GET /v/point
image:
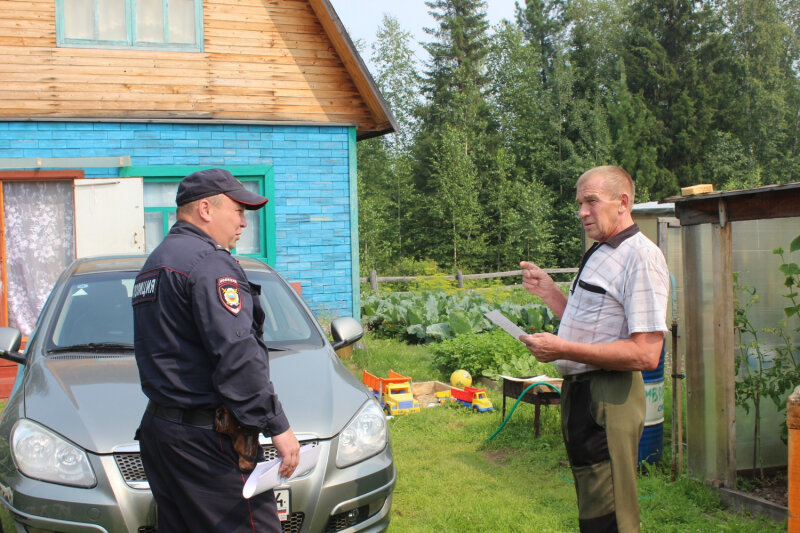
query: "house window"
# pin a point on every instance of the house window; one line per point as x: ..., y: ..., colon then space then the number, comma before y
x: 154, y: 24
x: 161, y: 187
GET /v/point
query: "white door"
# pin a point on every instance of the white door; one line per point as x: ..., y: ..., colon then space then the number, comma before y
x: 109, y: 216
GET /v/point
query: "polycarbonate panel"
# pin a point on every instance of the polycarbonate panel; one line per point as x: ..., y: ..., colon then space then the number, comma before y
x: 753, y: 244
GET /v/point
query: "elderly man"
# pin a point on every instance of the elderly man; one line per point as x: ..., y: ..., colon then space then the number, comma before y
x: 612, y: 327
x: 204, y: 367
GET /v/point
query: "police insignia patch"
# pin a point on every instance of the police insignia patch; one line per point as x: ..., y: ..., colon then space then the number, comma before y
x: 228, y: 290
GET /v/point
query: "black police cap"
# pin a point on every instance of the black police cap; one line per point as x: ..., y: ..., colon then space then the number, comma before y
x: 213, y: 181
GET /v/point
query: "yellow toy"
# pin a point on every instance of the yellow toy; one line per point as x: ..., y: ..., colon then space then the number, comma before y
x: 460, y: 379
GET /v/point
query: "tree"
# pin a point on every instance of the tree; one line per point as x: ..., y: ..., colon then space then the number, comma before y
x: 454, y: 83
x: 398, y: 79
x: 766, y: 47
x: 455, y: 201
x: 670, y: 54
x: 384, y: 168
x: 637, y: 137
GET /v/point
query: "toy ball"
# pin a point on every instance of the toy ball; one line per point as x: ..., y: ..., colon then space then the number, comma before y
x: 460, y: 379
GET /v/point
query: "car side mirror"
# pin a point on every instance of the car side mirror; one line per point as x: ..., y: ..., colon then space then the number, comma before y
x: 345, y: 331
x: 10, y: 339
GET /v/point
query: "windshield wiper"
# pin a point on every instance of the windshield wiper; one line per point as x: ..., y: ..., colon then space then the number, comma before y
x: 94, y: 347
x: 277, y: 348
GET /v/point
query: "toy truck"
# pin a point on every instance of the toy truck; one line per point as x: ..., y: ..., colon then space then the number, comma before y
x: 393, y: 393
x: 472, y: 398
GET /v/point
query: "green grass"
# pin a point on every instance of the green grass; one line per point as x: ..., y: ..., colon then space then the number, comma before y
x: 450, y: 478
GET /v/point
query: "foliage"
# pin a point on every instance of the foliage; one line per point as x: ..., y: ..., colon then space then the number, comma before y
x: 752, y: 383
x: 384, y: 168
x: 496, y: 127
x: 436, y: 316
x: 768, y: 375
x: 785, y: 372
x: 488, y: 354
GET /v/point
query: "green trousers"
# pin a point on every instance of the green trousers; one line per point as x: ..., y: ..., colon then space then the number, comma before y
x: 602, y: 418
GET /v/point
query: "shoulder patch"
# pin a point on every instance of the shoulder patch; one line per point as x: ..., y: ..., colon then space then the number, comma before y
x: 145, y: 289
x: 228, y: 290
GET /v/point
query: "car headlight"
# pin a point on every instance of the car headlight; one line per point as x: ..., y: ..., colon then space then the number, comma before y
x: 41, y: 454
x: 363, y: 437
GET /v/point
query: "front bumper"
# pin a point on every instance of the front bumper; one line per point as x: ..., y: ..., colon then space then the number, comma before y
x: 354, y: 499
x: 111, y: 506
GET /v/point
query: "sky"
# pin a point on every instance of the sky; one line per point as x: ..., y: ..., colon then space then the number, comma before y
x: 362, y: 18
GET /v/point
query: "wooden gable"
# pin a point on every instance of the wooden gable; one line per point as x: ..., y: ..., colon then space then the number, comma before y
x: 282, y: 61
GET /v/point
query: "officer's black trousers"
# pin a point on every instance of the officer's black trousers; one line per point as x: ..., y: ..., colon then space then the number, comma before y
x: 197, y: 484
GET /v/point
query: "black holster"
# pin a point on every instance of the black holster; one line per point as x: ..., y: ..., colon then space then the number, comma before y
x: 244, y: 438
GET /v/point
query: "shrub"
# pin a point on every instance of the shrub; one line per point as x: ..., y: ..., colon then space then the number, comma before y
x: 488, y: 354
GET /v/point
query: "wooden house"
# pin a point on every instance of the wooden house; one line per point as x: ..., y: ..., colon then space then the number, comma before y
x: 105, y: 106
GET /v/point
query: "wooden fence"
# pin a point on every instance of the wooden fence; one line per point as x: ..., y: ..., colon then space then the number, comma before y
x: 374, y: 279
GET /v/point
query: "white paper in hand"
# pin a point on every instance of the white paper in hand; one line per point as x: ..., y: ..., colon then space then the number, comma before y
x: 509, y: 327
x: 265, y: 475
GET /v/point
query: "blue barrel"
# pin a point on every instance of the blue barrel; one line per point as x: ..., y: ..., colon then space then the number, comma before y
x: 651, y: 445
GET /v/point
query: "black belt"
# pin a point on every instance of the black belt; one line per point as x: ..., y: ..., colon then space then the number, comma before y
x: 572, y: 378
x: 201, y: 418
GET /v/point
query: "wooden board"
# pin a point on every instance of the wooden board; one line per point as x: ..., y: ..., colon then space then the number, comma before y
x: 262, y: 60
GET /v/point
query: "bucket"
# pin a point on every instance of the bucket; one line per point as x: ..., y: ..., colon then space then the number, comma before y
x: 651, y: 445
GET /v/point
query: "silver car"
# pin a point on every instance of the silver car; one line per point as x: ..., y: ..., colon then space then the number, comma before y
x: 68, y: 459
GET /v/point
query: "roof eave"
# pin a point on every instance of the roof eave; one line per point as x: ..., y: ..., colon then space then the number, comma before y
x: 377, y: 105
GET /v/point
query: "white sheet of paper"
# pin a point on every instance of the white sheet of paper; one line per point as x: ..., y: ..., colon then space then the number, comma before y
x: 509, y: 327
x: 265, y: 475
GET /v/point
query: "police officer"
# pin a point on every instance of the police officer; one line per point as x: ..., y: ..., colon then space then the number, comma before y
x: 197, y: 335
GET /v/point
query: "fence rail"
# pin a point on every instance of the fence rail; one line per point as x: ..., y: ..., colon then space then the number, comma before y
x: 374, y: 279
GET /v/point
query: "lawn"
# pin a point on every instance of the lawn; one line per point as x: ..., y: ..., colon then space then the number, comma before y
x: 451, y: 478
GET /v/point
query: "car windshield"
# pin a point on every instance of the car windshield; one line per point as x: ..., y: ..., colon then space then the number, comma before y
x: 94, y: 314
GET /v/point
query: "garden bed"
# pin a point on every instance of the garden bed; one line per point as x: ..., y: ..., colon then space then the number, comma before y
x: 766, y: 496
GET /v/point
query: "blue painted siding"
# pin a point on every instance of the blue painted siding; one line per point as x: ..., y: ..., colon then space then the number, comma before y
x: 313, y: 187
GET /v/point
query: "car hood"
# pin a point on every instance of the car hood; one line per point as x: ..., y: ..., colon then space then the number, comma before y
x: 97, y: 402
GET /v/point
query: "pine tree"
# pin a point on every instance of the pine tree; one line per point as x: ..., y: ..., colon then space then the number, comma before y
x: 454, y: 84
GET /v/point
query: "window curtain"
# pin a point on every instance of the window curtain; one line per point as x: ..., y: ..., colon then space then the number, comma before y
x: 39, y: 242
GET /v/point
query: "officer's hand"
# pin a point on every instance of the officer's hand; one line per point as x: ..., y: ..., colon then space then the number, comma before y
x: 289, y: 449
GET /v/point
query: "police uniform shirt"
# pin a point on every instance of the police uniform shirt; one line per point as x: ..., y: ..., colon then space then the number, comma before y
x: 198, y: 332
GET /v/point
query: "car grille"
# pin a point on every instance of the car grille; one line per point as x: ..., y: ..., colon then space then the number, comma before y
x: 293, y: 523
x: 130, y: 465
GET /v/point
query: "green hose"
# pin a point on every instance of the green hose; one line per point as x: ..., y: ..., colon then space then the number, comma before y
x: 511, y: 412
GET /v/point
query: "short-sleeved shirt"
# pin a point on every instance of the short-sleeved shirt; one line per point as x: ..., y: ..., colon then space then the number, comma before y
x: 198, y: 332
x: 622, y: 288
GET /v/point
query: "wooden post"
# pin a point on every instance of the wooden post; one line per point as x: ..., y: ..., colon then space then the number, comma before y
x: 724, y: 347
x: 709, y: 362
x: 793, y: 422
x: 460, y: 279
x: 373, y: 279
